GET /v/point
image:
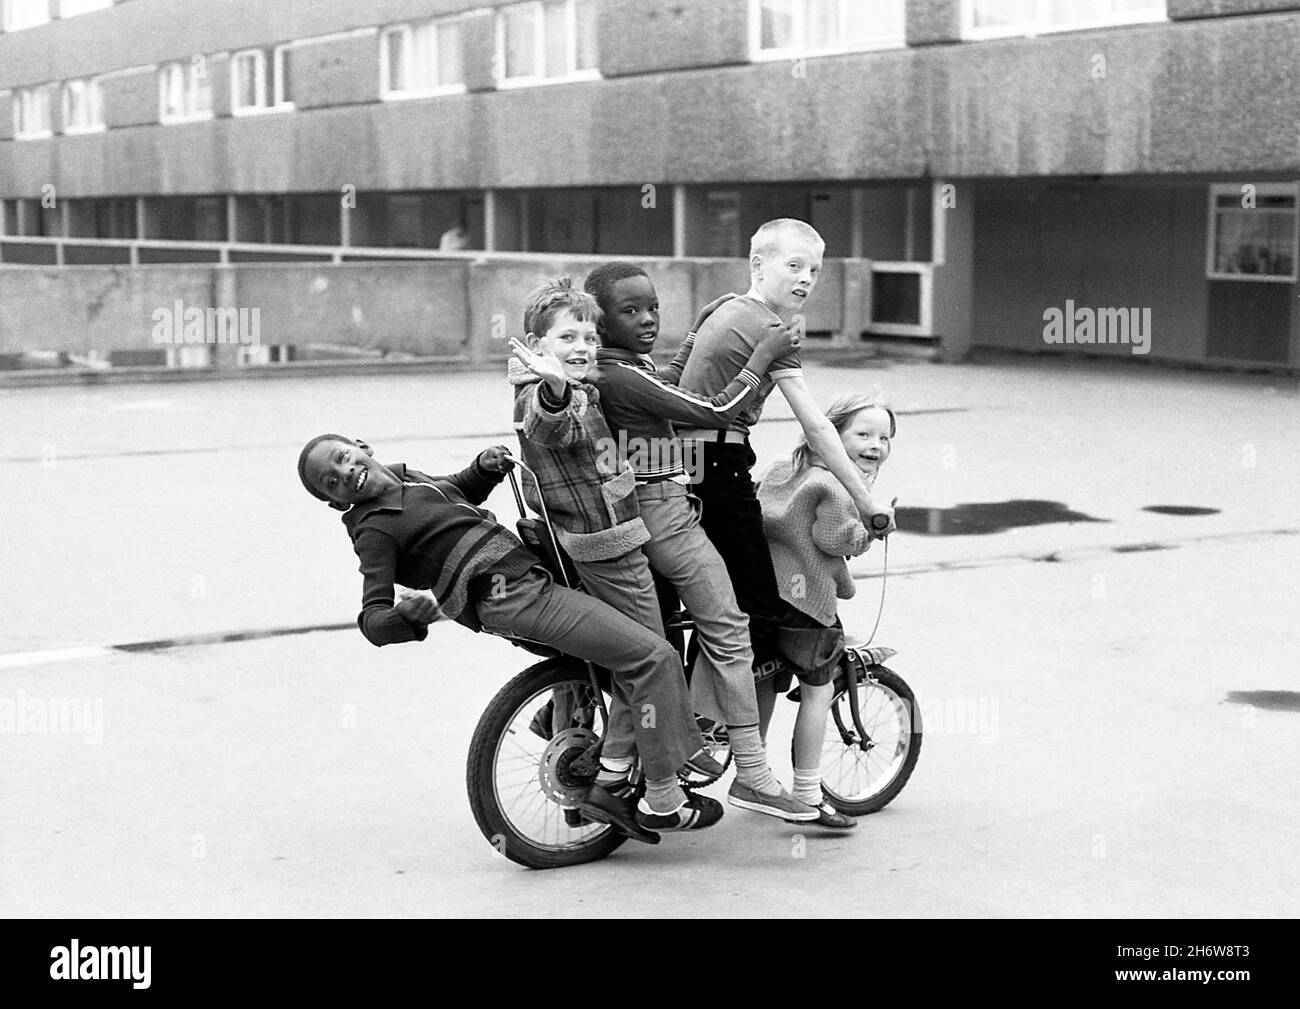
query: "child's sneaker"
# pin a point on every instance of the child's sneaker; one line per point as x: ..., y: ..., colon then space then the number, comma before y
x: 830, y: 817
x: 602, y: 807
x: 702, y: 763
x: 698, y: 812
x: 783, y: 805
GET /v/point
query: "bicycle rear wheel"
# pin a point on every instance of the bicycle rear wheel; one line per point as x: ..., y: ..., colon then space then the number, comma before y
x: 523, y: 789
x: 862, y: 774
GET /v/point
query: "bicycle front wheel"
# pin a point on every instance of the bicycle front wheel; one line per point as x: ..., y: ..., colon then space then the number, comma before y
x: 862, y: 771
x: 522, y: 787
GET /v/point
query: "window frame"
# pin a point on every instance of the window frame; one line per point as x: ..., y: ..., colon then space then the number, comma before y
x: 798, y: 47
x: 94, y: 101
x: 407, y: 30
x: 1040, y: 25
x: 269, y: 81
x: 1233, y: 189
x: 260, y: 104
x: 572, y: 73
x: 190, y: 90
x: 19, y: 95
x: 7, y: 22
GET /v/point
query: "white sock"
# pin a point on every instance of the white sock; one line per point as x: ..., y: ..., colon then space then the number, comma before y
x: 808, y: 785
x: 751, y: 760
x: 613, y: 769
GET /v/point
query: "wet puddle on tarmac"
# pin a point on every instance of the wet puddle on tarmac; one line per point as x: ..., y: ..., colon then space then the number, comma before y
x: 986, y: 517
x: 1269, y: 700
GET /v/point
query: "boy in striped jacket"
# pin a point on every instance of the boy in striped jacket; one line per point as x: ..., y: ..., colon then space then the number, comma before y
x: 641, y: 408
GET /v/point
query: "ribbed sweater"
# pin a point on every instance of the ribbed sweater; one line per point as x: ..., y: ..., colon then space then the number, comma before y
x: 812, y: 525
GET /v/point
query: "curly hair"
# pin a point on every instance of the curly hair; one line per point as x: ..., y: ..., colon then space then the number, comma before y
x: 302, y: 462
x: 548, y: 300
x: 600, y: 281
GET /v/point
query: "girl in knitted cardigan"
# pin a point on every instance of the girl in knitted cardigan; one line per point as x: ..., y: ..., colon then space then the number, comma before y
x: 812, y: 526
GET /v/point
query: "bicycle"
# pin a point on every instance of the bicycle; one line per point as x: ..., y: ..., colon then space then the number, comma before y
x: 535, y: 750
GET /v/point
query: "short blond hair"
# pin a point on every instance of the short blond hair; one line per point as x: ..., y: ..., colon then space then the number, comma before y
x: 768, y: 236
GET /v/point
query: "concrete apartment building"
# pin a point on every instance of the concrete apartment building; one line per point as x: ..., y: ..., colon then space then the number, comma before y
x: 1026, y: 174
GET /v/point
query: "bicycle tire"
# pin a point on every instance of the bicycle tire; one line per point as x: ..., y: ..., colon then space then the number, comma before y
x: 855, y: 791
x: 509, y: 718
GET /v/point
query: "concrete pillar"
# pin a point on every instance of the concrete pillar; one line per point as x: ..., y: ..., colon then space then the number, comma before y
x: 4, y: 213
x: 225, y: 294
x: 909, y: 224
x: 855, y: 224
x: 489, y: 220
x: 953, y: 207
x: 679, y: 222
x: 232, y: 218
x: 345, y: 224
x: 20, y: 216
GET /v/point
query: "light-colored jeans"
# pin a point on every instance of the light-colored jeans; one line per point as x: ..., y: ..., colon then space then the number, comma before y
x: 722, y: 682
x: 626, y: 584
x: 646, y: 671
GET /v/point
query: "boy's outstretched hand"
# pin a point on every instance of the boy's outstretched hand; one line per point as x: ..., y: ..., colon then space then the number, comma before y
x: 547, y: 367
x: 496, y: 459
x: 417, y: 607
x: 709, y: 309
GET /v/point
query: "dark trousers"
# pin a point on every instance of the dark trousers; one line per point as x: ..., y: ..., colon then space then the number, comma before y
x: 733, y: 521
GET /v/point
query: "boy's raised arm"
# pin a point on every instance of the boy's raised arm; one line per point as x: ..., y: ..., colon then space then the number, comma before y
x: 481, y: 477
x: 380, y: 621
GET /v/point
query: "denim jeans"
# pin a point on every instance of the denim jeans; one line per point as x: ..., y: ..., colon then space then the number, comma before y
x: 722, y: 681
x: 625, y: 583
x: 641, y: 662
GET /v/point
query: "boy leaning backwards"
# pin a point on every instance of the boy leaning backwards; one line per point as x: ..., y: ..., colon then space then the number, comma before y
x: 429, y: 533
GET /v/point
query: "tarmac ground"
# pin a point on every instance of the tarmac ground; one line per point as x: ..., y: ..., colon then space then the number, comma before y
x: 1093, y: 593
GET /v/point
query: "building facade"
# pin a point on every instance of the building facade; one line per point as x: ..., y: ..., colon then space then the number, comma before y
x: 1096, y: 176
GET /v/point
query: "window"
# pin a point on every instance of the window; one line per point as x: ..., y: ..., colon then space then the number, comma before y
x: 71, y: 8
x: 184, y: 91
x: 259, y: 81
x: 993, y: 18
x: 784, y: 28
x: 82, y: 106
x: 1253, y: 232
x: 32, y: 112
x: 25, y: 14
x: 421, y: 59
x: 550, y: 41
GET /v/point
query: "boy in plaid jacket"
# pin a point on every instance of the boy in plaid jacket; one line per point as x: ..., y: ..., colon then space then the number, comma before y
x: 589, y: 495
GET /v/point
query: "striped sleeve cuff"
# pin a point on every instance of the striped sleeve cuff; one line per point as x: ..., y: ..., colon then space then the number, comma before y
x: 749, y: 378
